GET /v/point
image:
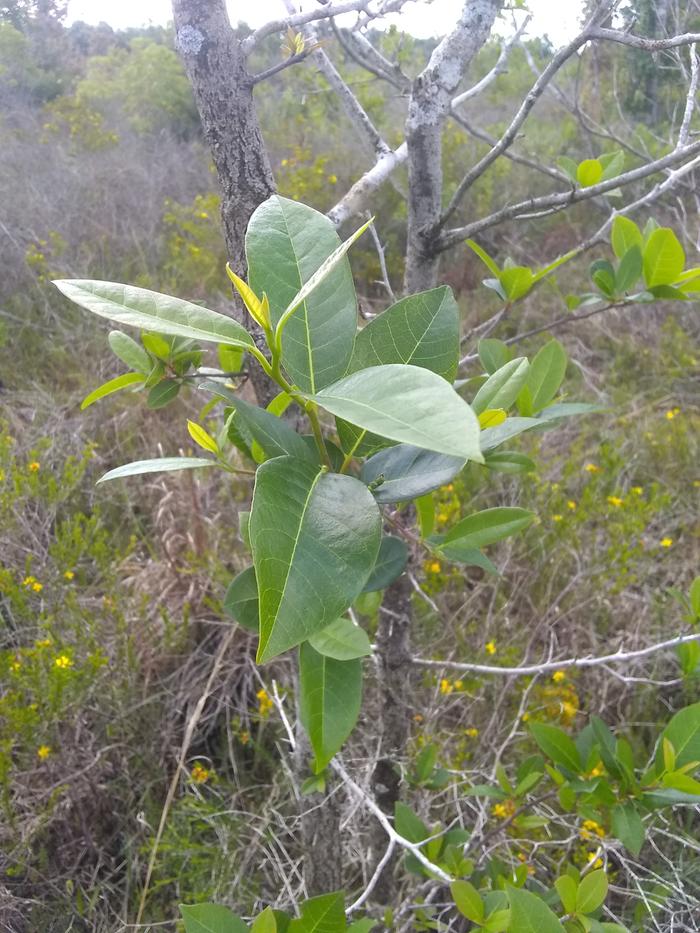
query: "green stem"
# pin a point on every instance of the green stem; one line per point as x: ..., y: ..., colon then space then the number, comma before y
x: 348, y: 459
x: 318, y: 436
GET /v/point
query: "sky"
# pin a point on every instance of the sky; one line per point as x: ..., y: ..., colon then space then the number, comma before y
x: 557, y: 18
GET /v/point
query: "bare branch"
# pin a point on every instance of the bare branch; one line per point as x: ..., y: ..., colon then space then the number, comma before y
x: 301, y: 19
x: 619, y: 657
x: 354, y: 44
x: 498, y: 69
x: 684, y: 131
x: 280, y: 66
x: 642, y: 42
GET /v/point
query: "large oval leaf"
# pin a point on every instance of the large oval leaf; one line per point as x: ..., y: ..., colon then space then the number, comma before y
x: 664, y: 258
x: 488, y: 526
x: 391, y: 560
x: 314, y: 538
x: 422, y: 330
x: 408, y: 472
x: 241, y: 600
x: 530, y: 914
x: 408, y: 404
x: 211, y: 918
x: 329, y: 701
x: 286, y: 243
x: 147, y: 310
x: 683, y: 732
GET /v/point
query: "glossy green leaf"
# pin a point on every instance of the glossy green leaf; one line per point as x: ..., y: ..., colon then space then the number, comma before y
x: 157, y: 345
x: 530, y: 914
x: 130, y: 352
x: 109, y: 388
x: 357, y: 441
x: 516, y: 281
x: 286, y: 243
x: 471, y: 557
x: 241, y: 600
x: 488, y: 526
x: 624, y: 235
x: 265, y: 922
x: 544, y: 377
x: 557, y: 745
x: 664, y: 258
x: 425, y: 513
x: 314, y: 538
x: 566, y: 889
x: 509, y: 461
x: 627, y: 826
x: 503, y: 387
x: 406, y: 404
x: 629, y: 270
x: 467, y: 900
x: 330, y: 696
x: 612, y: 163
x: 589, y: 172
x: 404, y: 472
x: 147, y: 310
x: 422, y: 330
x: 341, y: 640
x: 493, y: 354
x: 683, y: 732
x: 158, y: 465
x: 211, y: 918
x: 390, y: 563
x: 592, y: 891
x: 324, y: 914
x: 408, y: 825
x: 162, y: 394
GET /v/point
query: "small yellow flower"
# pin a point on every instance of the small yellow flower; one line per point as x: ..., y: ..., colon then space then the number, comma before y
x: 671, y: 414
x: 445, y: 686
x: 63, y: 661
x: 615, y: 501
x: 525, y: 717
x: 637, y: 490
x: 434, y: 567
x: 472, y: 732
x: 44, y: 643
x: 199, y: 774
x: 558, y: 677
x: 595, y: 772
x: 458, y: 685
x: 597, y: 862
x: 591, y: 468
x: 29, y: 582
x: 34, y: 467
x: 16, y: 664
x: 500, y: 811
x: 666, y: 542
x: 557, y: 518
x: 265, y: 703
x: 442, y: 517
x: 490, y: 647
x: 449, y: 487
x: 571, y: 505
x: 43, y: 752
x: 333, y: 179
x: 69, y: 574
x: 37, y: 587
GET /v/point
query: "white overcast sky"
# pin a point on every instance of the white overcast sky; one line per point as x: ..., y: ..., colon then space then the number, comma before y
x: 557, y: 18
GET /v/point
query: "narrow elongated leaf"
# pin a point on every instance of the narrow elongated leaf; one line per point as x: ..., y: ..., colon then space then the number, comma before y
x: 488, y: 526
x: 664, y: 258
x: 147, y: 310
x: 471, y: 557
x: 163, y: 393
x: 408, y: 404
x: 390, y: 563
x: 241, y: 600
x: 484, y: 257
x: 543, y: 379
x: 408, y: 472
x: 422, y: 330
x: 509, y: 461
x: 211, y: 918
x: 503, y: 387
x: 286, y: 243
x: 314, y: 538
x: 329, y: 701
x: 158, y: 465
x: 512, y: 427
x: 683, y: 732
x: 530, y: 914
x: 130, y: 352
x: 109, y: 388
x: 202, y: 437
x: 323, y: 914
x: 624, y: 235
x: 341, y: 640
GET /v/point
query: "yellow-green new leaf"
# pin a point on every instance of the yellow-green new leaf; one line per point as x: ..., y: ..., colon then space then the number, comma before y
x: 109, y: 388
x: 201, y: 437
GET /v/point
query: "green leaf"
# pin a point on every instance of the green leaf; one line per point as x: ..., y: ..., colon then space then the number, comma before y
x: 211, y: 918
x: 592, y: 891
x: 241, y: 600
x: 683, y: 732
x: 147, y: 310
x: 422, y: 330
x: 407, y: 404
x: 530, y: 914
x: 502, y: 388
x: 391, y: 560
x: 569, y: 166
x: 488, y: 526
x: 130, y: 352
x: 329, y: 701
x: 324, y: 914
x: 108, y: 388
x: 315, y: 539
x: 589, y: 172
x: 202, y: 437
x: 624, y: 235
x: 516, y: 281
x: 557, y: 745
x: 566, y: 889
x: 163, y: 393
x: 613, y: 163
x: 408, y: 825
x: 629, y: 270
x: 544, y: 377
x: 274, y: 435
x: 467, y: 900
x: 470, y: 556
x: 363, y: 926
x: 357, y: 441
x: 286, y: 243
x: 157, y: 345
x: 627, y: 826
x: 408, y: 472
x: 512, y: 427
x: 158, y: 465
x: 493, y: 354
x: 664, y: 258
x: 484, y: 257
x: 342, y: 640
x: 265, y: 922
x: 509, y: 461
x: 694, y: 595
x: 425, y: 513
